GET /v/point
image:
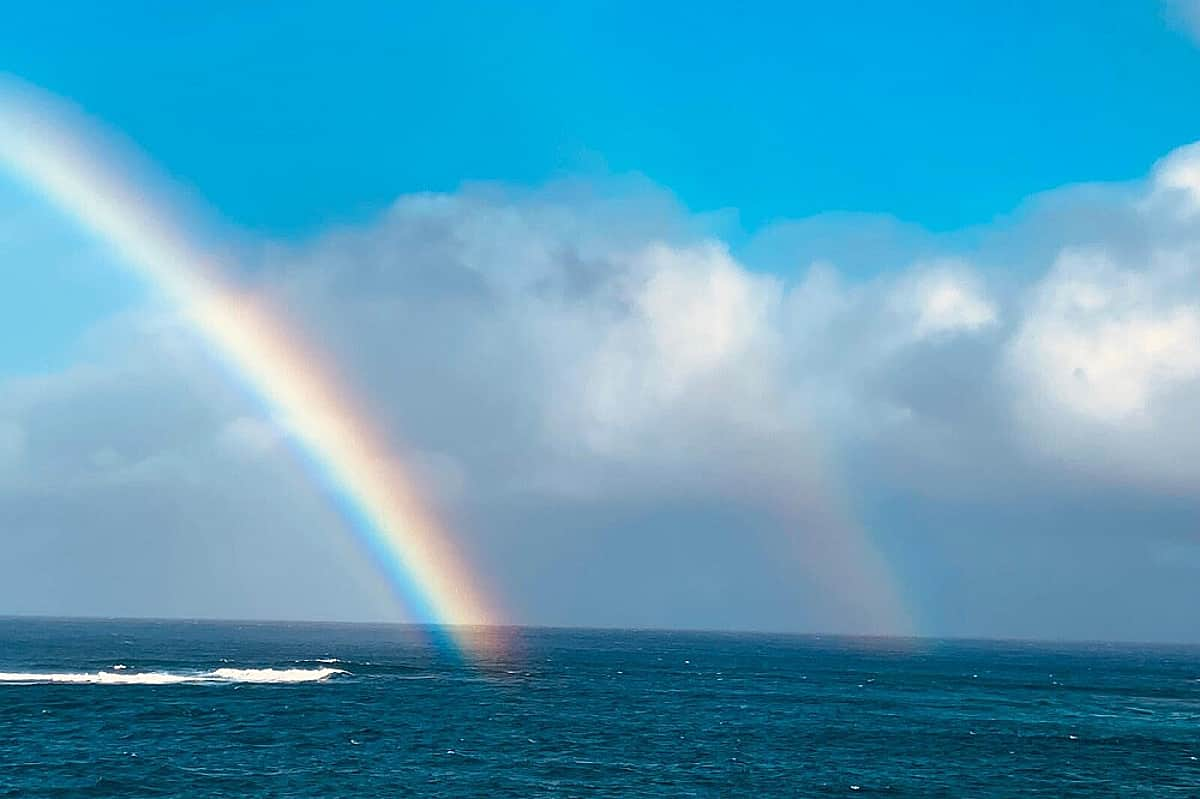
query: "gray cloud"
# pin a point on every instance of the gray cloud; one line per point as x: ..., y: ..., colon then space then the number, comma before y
x: 140, y: 488
x: 631, y: 422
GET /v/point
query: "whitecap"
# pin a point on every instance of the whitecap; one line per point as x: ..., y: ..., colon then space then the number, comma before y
x: 126, y: 677
x: 274, y: 674
x: 93, y: 678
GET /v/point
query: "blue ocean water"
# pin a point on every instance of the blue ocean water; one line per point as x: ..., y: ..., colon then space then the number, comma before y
x: 136, y: 708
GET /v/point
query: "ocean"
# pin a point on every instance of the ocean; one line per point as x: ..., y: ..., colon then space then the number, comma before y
x: 207, y: 709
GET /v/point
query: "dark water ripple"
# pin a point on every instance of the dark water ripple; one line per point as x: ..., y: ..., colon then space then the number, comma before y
x: 575, y: 713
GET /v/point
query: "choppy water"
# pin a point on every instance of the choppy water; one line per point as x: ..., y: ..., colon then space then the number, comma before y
x: 218, y: 709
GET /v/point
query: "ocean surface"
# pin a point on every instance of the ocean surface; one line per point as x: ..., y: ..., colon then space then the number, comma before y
x: 136, y: 708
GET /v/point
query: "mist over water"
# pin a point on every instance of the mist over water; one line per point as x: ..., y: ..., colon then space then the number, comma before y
x: 231, y: 709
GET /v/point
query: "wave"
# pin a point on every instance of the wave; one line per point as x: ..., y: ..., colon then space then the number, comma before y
x: 125, y: 677
x: 274, y: 675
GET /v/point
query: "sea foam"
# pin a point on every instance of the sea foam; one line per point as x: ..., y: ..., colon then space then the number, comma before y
x: 125, y: 677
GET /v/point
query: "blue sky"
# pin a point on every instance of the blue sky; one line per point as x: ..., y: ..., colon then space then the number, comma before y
x: 921, y: 269
x: 286, y: 116
x: 289, y: 117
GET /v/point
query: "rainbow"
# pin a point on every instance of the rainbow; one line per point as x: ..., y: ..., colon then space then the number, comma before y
x: 67, y: 160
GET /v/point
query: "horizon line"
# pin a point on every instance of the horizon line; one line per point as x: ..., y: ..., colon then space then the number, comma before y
x: 758, y: 632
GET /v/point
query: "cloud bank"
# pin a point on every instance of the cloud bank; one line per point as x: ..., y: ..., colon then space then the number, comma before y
x: 835, y: 424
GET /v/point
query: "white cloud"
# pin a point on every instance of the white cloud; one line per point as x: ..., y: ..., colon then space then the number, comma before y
x: 687, y: 330
x: 1106, y: 366
x: 1103, y: 342
x: 552, y: 349
x: 1175, y: 182
x: 947, y: 299
x: 605, y: 343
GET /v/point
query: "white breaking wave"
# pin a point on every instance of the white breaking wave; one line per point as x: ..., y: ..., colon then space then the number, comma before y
x: 274, y: 675
x: 124, y: 677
